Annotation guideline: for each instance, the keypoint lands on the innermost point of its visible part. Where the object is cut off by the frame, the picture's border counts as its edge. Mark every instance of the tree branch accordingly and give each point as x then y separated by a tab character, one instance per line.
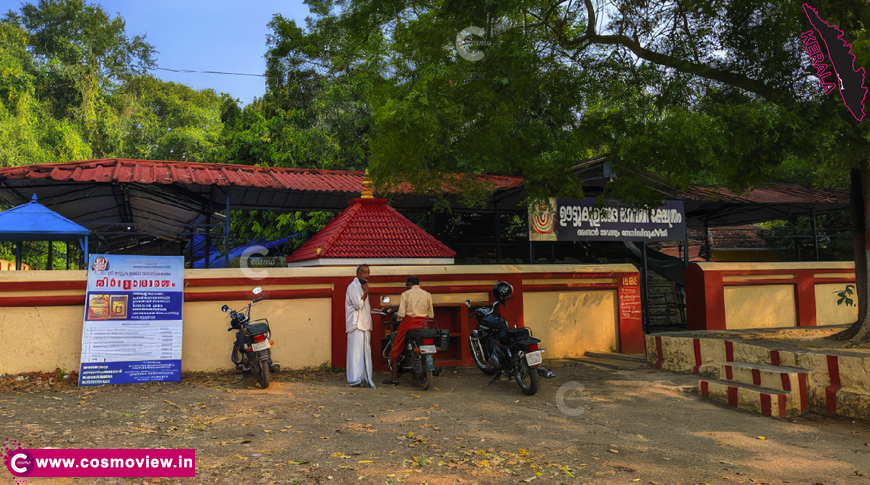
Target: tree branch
703	70
590	22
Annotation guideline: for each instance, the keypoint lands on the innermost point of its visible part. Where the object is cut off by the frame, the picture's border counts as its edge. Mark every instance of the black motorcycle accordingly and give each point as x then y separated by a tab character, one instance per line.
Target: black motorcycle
498	350
252	349
420	345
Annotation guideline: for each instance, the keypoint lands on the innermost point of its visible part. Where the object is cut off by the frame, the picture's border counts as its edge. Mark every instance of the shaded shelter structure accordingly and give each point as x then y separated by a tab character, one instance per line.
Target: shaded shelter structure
714	206
128	203
707	207
34	222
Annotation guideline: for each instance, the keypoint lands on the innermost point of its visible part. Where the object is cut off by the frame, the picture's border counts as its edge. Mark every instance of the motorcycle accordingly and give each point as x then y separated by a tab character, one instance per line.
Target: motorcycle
498	350
420	345
252	349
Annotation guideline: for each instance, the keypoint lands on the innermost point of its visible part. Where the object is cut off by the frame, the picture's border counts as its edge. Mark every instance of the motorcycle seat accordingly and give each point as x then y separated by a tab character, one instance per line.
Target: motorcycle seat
419	333
518	333
258	329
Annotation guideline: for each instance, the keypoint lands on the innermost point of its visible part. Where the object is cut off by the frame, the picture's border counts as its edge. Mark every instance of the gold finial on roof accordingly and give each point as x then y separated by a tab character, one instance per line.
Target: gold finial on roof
367	187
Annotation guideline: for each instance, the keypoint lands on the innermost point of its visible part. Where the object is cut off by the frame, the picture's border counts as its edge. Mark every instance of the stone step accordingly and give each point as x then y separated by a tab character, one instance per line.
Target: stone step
612	355
781	378
609	364
762	400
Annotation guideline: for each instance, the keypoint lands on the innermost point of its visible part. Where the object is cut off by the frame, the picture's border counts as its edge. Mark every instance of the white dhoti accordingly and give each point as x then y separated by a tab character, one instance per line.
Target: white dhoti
359	357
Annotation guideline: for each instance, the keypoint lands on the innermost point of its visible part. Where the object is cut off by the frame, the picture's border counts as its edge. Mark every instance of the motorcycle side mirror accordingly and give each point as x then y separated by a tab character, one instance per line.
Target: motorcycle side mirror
468	303
225	308
257	290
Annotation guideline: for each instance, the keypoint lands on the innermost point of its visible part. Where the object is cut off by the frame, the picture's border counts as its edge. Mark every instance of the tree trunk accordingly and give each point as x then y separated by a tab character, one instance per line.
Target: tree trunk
859	201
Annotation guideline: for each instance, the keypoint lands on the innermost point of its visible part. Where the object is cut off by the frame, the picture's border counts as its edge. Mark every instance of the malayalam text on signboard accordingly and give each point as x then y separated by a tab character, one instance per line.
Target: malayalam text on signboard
133	325
580	220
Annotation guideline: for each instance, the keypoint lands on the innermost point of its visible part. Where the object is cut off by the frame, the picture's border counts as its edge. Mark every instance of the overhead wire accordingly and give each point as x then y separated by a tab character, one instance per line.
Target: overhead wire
204	72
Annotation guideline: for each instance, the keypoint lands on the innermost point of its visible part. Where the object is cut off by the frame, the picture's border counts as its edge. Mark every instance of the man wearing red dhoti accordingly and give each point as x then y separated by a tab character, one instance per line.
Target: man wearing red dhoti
415	308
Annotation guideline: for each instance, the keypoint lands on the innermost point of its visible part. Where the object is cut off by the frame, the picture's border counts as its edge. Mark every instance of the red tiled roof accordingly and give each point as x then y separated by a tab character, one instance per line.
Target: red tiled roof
369	228
192	173
767	194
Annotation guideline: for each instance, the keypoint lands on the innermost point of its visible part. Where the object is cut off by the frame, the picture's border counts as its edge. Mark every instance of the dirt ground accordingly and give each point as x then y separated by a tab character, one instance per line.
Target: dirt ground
603	427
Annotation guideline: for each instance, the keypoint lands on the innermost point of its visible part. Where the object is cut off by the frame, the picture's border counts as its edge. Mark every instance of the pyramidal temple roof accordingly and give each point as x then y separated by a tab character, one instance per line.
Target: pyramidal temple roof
370	231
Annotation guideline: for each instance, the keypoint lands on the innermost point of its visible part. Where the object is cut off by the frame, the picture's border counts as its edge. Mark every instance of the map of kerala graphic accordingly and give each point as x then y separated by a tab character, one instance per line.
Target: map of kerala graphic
850	81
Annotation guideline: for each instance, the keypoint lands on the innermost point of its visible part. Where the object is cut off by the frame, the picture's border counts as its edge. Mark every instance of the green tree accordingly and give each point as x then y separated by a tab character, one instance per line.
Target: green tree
169	121
76	87
719	91
74	33
431	111
21	114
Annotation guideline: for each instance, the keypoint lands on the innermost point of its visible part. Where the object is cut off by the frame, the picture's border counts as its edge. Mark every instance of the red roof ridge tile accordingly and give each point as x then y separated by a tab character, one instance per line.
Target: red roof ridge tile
201	173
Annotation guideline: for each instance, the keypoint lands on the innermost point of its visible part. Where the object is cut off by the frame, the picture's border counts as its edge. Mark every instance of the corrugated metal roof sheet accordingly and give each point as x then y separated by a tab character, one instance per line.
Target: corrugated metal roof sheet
369	228
767	194
191	173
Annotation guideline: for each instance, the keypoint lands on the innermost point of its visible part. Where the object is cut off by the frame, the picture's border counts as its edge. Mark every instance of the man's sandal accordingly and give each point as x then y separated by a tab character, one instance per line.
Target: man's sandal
389	381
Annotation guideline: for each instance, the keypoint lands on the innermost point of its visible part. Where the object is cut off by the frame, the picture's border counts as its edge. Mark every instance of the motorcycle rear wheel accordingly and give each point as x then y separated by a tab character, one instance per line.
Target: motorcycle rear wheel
479	360
261	372
424	379
527	378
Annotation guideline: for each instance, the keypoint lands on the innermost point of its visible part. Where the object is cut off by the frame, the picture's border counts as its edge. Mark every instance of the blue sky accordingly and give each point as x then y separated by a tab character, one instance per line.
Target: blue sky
213	35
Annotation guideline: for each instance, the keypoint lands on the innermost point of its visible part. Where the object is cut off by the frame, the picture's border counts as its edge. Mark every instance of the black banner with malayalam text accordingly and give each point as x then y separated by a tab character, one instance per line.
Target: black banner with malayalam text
580	220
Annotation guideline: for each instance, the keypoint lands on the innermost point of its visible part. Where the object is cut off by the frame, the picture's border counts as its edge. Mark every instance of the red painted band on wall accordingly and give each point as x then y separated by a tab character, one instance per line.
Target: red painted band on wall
245	281
765	404
786	381
783	411
729	351
831	391
696	344
43	285
569	287
58	300
756	377
705	388
729	372
572	275
659	357
732	397
805	298
246	295
758	282
774	357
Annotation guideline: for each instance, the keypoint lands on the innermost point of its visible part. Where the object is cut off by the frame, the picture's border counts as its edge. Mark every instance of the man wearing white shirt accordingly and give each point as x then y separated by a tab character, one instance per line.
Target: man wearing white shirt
358	325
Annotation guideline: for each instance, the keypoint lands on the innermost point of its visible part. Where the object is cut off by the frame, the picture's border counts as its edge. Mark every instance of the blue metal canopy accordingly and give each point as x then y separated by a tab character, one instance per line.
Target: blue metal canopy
216	260
35	222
